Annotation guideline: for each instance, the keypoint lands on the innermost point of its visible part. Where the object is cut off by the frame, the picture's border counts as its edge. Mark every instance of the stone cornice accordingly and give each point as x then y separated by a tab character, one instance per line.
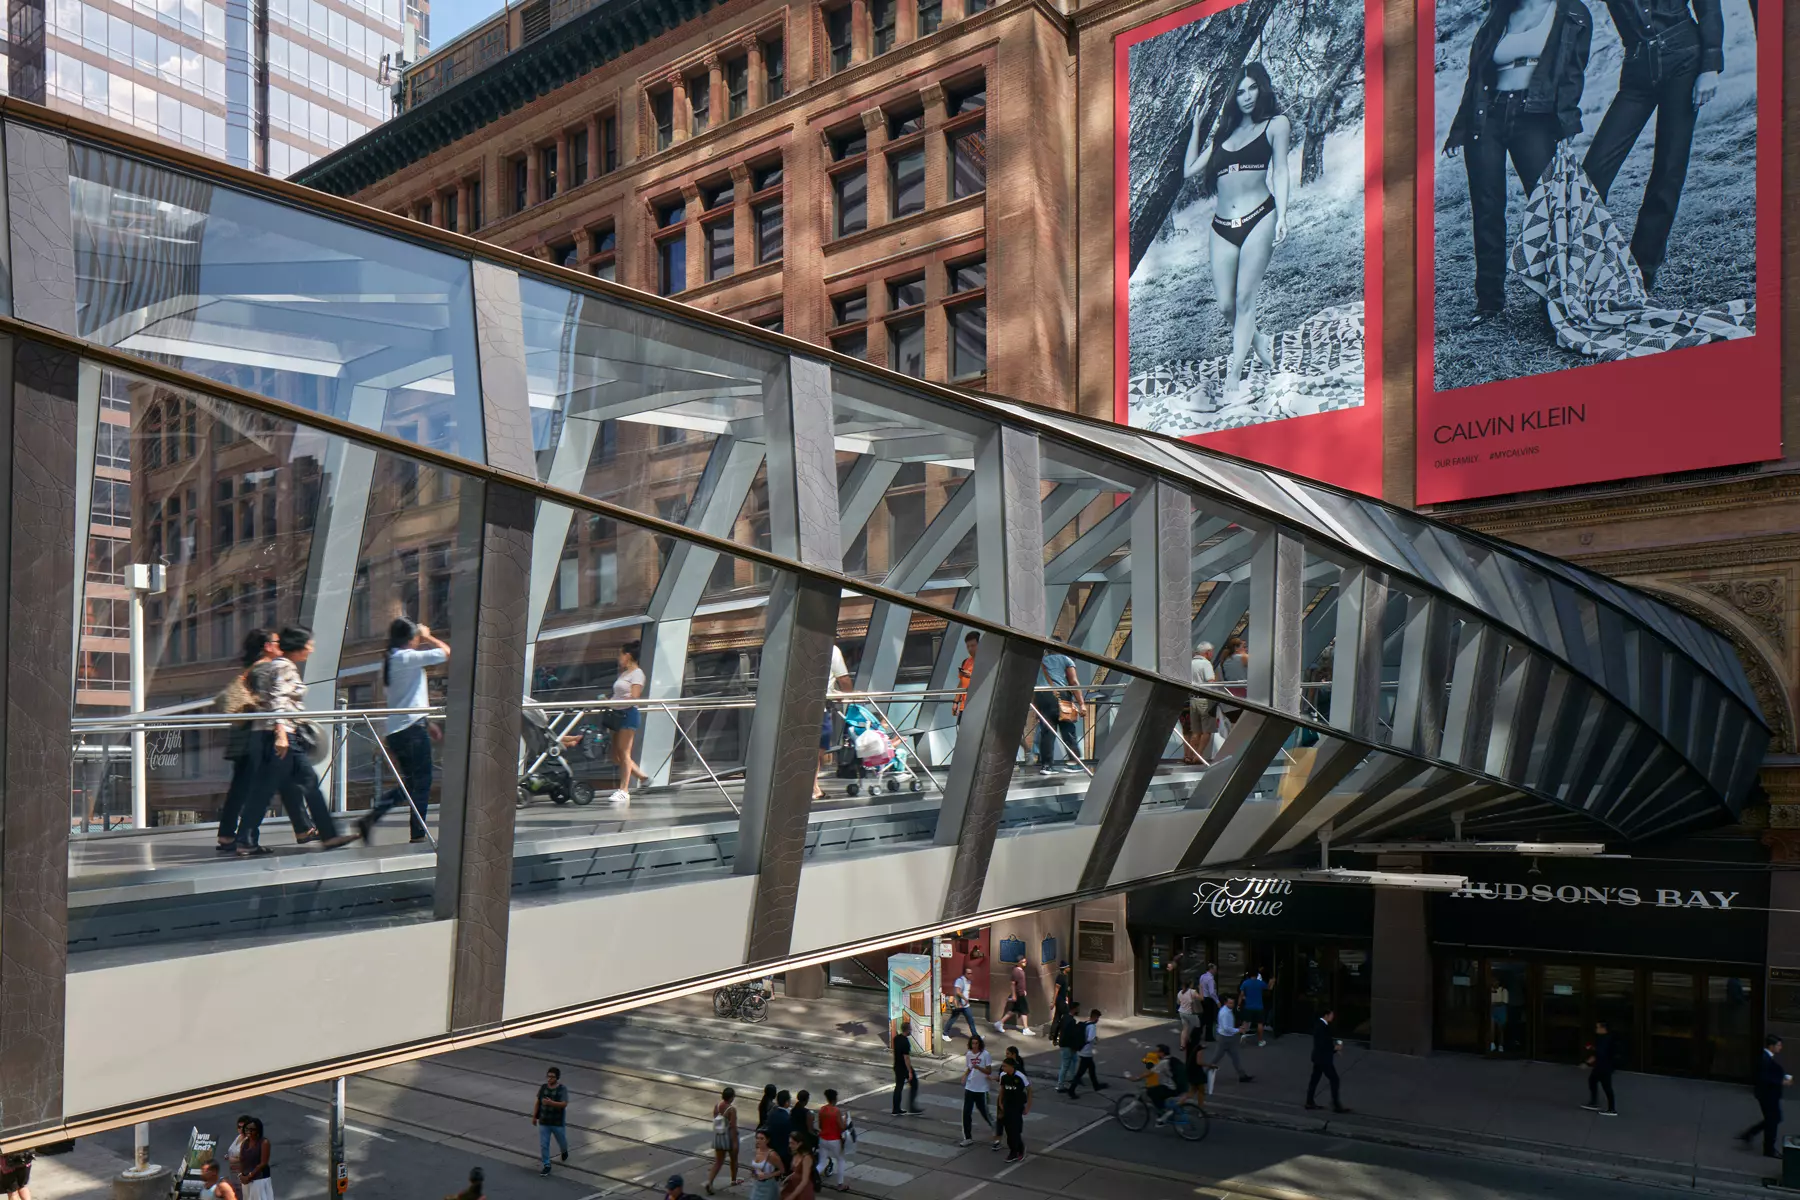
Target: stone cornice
1662	561
1510	519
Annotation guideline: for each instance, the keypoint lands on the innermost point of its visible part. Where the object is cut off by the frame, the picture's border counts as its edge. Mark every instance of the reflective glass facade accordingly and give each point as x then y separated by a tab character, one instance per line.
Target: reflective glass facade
725	637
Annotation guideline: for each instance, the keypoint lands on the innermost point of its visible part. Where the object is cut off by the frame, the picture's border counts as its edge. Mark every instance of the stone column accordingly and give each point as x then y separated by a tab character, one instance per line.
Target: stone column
681	117
743	221
753	58
720	103
937	155
875	126
533	184
492	166
1400	991
906	23
954	10
462	207
596	152
696	236
860	32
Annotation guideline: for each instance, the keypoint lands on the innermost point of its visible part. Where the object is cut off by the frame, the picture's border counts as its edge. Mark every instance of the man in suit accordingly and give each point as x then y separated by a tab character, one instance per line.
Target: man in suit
1324	1061
1771	1077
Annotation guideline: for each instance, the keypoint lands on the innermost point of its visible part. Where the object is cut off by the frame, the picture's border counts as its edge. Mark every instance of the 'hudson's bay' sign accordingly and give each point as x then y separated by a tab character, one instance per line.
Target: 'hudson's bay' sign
1245	896
1625	897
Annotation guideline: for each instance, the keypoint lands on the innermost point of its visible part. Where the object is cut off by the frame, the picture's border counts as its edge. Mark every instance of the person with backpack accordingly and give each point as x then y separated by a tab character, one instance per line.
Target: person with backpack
1090	1038
833	1124
978	1072
1070	1034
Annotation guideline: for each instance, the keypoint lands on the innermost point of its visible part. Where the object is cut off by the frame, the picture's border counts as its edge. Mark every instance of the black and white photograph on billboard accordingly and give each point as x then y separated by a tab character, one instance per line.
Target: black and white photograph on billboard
1594	182
1244	241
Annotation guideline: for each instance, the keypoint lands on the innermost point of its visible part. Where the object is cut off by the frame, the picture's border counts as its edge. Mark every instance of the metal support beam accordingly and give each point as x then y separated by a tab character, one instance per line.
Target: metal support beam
1332	762
1251	746
1122	773
37	637
1356	660
1162	589
481	747
337	540
1010	564
1469	717
1276	598
1425	644
782	759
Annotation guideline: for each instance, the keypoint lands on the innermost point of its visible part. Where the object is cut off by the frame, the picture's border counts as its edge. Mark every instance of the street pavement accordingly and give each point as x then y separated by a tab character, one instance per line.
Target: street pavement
642	1085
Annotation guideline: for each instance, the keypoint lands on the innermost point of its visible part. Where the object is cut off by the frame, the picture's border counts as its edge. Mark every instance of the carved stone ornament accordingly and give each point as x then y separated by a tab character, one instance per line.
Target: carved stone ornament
1763	601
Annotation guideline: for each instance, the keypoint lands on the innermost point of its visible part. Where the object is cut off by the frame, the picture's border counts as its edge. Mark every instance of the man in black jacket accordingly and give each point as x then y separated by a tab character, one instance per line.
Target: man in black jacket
1602	1057
1674	54
1324	1064
1771	1077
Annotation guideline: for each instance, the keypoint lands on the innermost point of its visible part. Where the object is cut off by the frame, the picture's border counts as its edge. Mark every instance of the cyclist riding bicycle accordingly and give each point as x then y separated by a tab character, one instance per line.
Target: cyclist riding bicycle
1159	1085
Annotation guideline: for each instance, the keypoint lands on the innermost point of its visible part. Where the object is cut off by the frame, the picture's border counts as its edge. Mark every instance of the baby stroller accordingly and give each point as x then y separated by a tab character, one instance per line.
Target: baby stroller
880	752
546	769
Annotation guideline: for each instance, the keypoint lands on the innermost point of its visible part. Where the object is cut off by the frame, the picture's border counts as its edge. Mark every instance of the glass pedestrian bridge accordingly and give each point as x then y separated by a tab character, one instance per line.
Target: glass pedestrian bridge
236	404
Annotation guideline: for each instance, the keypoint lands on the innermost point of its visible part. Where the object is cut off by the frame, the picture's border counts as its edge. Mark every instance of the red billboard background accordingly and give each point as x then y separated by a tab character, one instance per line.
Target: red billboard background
1341	447
1680	410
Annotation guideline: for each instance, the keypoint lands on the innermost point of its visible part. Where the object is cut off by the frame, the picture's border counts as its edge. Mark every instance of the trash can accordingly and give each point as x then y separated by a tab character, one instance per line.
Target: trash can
1790	1162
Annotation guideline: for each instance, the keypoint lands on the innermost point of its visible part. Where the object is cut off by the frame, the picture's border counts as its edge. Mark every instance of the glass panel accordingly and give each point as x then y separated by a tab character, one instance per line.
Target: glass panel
257	524
1461	1012
1615	1002
1562	1034
1731	1026
1674	1041
275	300
631	407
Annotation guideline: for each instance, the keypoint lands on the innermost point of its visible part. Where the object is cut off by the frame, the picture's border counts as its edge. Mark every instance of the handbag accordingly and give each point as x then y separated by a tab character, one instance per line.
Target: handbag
309	739
1067	711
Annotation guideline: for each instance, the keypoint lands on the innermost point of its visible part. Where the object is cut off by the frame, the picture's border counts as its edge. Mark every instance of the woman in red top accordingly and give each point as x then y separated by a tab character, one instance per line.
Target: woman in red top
832	1120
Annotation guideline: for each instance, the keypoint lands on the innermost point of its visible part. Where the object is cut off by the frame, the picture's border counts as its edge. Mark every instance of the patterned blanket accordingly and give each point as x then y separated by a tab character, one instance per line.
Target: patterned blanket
1318	368
1572	253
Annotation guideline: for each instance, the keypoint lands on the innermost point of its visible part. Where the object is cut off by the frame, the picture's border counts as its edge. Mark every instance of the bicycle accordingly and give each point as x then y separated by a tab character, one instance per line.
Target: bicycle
747	1002
1189	1119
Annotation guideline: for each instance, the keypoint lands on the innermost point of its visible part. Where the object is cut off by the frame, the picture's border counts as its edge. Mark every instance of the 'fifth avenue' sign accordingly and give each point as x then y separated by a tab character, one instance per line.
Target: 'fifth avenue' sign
1625	897
1245	896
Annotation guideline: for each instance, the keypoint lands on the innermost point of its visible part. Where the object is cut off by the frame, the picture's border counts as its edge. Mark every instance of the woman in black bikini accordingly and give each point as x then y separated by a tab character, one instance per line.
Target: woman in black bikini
1246	167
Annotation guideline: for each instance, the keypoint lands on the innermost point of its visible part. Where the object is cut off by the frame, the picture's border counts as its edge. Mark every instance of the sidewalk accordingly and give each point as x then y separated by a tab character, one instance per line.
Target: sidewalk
1670	1129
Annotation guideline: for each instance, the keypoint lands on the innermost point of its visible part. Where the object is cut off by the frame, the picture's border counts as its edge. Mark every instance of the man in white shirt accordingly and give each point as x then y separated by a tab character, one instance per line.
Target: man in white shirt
836	684
978	1070
411	648
959	1005
1228	1042
1200	707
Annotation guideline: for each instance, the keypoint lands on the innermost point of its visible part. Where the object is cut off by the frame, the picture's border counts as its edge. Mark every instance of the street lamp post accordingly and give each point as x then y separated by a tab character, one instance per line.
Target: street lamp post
141	579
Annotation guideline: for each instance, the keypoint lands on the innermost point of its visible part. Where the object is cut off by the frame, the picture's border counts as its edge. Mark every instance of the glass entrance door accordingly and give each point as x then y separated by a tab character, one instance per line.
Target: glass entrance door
1509	1030
1156	984
1615	1002
1673	1043
1462	1016
1355	973
1562	1034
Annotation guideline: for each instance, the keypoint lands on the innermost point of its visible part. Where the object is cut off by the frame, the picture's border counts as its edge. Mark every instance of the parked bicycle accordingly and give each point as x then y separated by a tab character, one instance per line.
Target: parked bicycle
745	1001
1133	1110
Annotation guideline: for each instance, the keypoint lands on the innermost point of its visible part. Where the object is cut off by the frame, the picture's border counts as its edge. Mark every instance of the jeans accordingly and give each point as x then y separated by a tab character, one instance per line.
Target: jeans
411	748
545	1133
1049	728
1654	80
1323	1071
974	1102
903	1076
1530	138
1228	1048
1599	1081
968	1019
289	774
1065	1077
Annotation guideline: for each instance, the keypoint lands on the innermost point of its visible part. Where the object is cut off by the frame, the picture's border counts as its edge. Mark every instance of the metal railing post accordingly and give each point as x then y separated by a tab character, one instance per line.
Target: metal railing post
340	761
